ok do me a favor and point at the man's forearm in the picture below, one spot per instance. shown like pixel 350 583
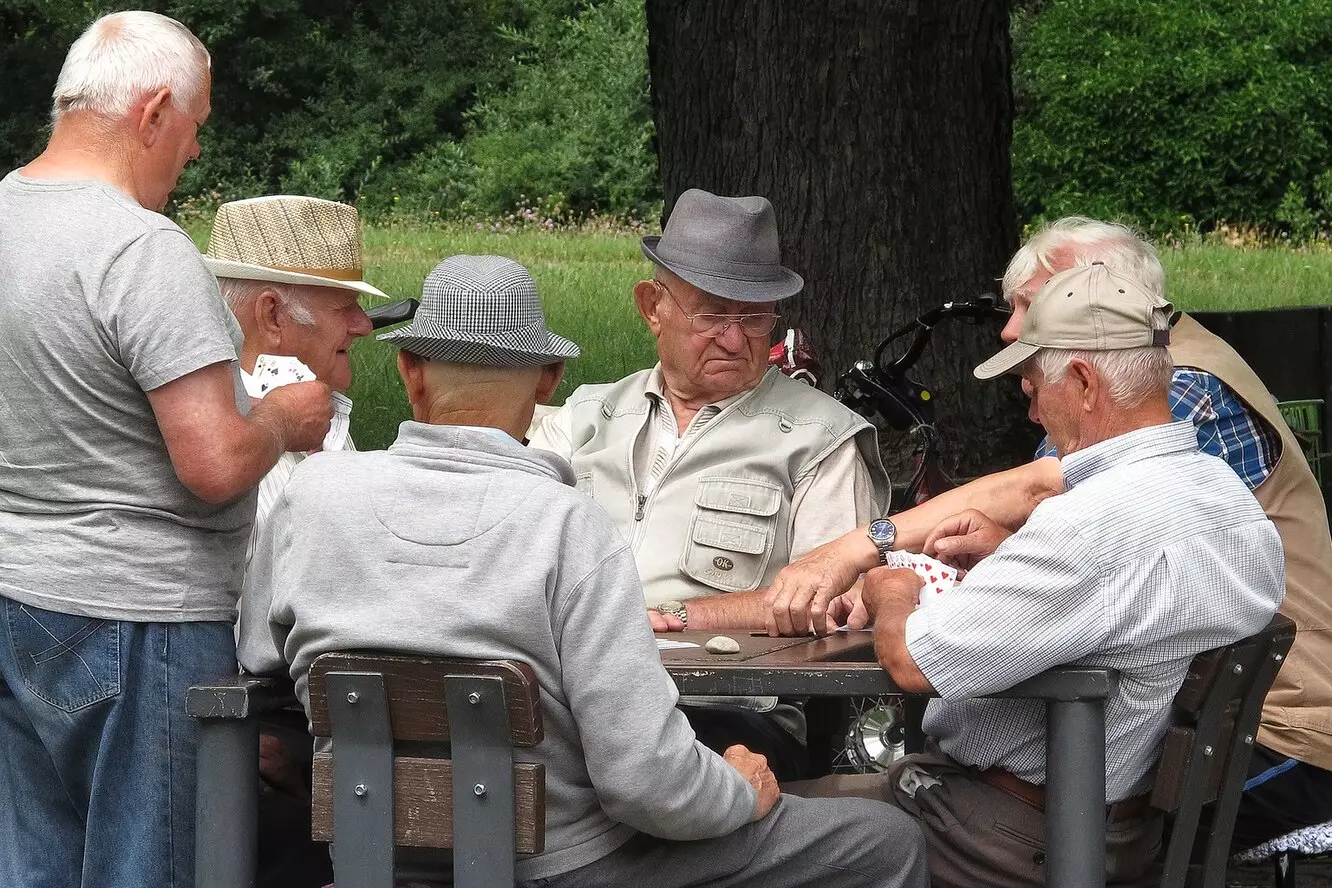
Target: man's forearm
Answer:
pixel 1007 498
pixel 244 451
pixel 732 610
pixel 891 651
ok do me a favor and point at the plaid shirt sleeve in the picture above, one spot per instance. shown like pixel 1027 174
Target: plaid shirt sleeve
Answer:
pixel 1226 427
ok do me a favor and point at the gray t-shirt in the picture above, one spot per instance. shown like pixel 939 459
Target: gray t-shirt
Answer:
pixel 101 301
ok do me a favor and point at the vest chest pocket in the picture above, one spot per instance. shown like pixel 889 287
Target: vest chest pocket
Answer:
pixel 731 533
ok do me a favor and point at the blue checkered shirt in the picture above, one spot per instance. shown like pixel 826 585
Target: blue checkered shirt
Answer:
pixel 1154 553
pixel 1226 427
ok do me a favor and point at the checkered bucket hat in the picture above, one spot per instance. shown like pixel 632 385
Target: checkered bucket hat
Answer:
pixel 481 310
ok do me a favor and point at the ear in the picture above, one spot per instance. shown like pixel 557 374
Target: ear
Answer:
pixel 153 115
pixel 267 317
pixel 551 374
pixel 412 370
pixel 648 296
pixel 1090 385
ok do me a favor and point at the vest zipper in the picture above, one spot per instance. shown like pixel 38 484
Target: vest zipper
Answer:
pixel 642 501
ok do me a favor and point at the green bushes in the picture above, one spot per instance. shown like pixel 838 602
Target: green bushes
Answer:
pixel 1175 114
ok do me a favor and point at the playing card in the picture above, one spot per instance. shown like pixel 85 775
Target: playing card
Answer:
pixel 273 371
pixel 937 576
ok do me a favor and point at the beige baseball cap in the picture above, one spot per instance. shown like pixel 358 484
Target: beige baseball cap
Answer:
pixel 1087 308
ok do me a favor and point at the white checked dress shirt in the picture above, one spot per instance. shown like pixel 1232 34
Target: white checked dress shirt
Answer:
pixel 1155 553
pixel 270 486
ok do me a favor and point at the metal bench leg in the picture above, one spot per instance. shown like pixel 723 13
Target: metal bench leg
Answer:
pixel 1075 794
pixel 227 807
pixel 1285 870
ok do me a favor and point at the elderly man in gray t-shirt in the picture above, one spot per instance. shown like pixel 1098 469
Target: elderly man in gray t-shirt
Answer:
pixel 126 465
pixel 459 541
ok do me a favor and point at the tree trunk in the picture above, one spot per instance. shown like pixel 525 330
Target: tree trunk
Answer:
pixel 880 131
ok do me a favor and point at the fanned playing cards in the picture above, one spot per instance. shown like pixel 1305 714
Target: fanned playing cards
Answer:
pixel 937 576
pixel 275 371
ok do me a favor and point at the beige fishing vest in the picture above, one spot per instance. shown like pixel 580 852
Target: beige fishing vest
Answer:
pixel 720 518
pixel 1297 714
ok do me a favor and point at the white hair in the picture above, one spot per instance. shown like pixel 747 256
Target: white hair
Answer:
pixel 124 55
pixel 1131 375
pixel 1077 240
pixel 239 292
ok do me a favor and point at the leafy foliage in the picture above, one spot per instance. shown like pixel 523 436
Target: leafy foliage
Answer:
pixel 1175 114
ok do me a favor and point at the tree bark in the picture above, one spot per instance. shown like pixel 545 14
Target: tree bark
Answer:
pixel 880 131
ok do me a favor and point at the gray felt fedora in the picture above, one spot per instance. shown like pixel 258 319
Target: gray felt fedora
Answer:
pixel 481 310
pixel 727 246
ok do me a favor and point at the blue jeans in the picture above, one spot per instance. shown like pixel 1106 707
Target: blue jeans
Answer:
pixel 96 751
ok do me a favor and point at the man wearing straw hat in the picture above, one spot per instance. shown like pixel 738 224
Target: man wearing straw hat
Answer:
pixel 468 544
pixel 290 270
pixel 128 457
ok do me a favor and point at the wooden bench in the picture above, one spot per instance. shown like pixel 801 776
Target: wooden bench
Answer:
pixel 422 758
pixel 1205 755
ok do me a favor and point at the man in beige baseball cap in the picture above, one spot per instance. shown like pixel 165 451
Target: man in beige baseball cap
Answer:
pixel 1087 308
pixel 1153 553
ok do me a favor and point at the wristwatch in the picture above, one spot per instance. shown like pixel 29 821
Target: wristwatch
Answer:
pixel 883 534
pixel 674 609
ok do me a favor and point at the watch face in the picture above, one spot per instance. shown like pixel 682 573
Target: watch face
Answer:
pixel 882 530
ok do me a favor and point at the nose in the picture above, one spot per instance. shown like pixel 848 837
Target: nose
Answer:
pixel 732 338
pixel 360 323
pixel 1013 329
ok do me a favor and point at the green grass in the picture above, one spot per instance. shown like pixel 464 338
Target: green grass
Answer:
pixel 586 280
pixel 1218 278
pixel 586 283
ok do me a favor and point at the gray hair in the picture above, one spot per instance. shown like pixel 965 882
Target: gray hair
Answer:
pixel 239 292
pixel 123 55
pixel 1078 240
pixel 1131 375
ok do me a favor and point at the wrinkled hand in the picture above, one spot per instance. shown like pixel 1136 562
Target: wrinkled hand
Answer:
pixel 754 768
pixel 664 622
pixel 798 599
pixel 885 583
pixel 848 609
pixel 304 411
pixel 964 539
pixel 277 769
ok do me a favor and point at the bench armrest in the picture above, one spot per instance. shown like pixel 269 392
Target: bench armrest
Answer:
pixel 239 697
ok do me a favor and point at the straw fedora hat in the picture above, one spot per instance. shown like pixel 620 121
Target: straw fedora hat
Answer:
pixel 288 239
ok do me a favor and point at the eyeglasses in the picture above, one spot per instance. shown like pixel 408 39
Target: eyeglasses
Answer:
pixel 714 325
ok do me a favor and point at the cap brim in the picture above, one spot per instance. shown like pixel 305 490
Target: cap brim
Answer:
pixel 1007 360
pixel 460 348
pixel 784 286
pixel 226 268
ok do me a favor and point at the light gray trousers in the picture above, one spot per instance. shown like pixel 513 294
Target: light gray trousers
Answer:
pixel 828 843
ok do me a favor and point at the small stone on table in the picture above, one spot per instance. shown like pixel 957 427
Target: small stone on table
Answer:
pixel 722 644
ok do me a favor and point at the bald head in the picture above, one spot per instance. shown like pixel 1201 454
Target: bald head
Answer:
pixel 504 398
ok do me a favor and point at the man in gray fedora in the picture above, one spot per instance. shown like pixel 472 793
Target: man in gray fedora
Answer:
pixel 718 470
pixel 459 541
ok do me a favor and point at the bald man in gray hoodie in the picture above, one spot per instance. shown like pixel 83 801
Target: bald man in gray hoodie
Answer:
pixel 460 541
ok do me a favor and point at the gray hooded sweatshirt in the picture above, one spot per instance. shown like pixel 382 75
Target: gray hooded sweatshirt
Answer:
pixel 462 542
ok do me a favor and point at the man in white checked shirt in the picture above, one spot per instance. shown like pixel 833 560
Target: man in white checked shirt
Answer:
pixel 1154 553
pixel 290 270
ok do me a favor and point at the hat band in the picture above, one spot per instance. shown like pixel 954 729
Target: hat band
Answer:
pixel 337 274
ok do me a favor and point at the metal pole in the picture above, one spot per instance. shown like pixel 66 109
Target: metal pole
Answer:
pixel 227 806
pixel 1075 794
